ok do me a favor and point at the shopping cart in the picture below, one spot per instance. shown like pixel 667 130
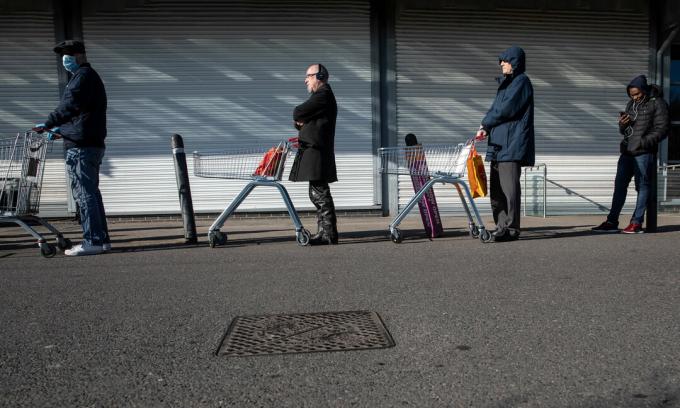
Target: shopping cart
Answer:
pixel 263 167
pixel 22 164
pixel 439 164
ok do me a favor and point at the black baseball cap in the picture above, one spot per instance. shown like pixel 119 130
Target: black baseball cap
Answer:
pixel 70 47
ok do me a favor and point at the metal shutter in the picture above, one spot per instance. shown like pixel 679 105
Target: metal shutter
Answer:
pixel 579 63
pixel 29 90
pixel 225 75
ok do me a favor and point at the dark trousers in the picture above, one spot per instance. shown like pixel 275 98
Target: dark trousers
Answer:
pixel 320 195
pixel 505 196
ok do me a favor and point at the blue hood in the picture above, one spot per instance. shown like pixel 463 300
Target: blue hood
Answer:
pixel 516 57
pixel 639 82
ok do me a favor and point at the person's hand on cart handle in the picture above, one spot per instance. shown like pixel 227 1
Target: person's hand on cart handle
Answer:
pixel 52 134
pixel 481 134
pixel 294 142
pixel 39 128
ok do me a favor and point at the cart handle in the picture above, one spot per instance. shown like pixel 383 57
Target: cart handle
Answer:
pixel 50 134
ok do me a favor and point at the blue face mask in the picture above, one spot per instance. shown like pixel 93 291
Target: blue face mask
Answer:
pixel 70 63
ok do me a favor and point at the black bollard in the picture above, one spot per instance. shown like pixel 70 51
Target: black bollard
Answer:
pixel 185 202
pixel 652 204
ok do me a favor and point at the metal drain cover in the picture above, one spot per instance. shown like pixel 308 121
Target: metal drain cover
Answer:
pixel 304 333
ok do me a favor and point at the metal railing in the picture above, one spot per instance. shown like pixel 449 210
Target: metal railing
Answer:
pixel 669 186
pixel 669 183
pixel 544 177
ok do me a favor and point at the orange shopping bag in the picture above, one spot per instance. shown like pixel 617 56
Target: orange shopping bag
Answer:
pixel 476 174
pixel 270 162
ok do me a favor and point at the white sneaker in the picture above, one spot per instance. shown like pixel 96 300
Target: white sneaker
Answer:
pixel 106 247
pixel 83 249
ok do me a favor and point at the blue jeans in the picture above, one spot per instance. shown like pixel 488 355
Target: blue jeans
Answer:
pixel 82 166
pixel 640 167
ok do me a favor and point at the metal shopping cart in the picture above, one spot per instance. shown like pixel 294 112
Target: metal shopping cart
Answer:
pixel 22 164
pixel 439 164
pixel 263 167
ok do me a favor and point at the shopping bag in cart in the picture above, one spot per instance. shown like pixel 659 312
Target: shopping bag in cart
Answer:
pixel 429 211
pixel 476 174
pixel 270 161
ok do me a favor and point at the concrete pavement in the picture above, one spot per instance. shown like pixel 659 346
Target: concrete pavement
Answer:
pixel 561 318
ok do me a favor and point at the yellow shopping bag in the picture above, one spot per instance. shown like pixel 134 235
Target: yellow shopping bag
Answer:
pixel 476 174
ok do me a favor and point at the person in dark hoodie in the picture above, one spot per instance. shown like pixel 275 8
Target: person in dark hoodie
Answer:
pixel 315 161
pixel 644 124
pixel 81 119
pixel 509 125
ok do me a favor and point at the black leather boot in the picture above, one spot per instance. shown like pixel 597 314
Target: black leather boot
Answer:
pixel 320 194
pixel 327 236
pixel 319 231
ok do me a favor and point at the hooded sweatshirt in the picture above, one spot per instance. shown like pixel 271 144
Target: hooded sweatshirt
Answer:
pixel 650 122
pixel 510 120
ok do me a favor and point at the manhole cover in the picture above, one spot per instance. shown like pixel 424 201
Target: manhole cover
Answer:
pixel 304 333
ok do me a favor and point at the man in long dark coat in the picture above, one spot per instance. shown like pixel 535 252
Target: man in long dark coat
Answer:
pixel 315 160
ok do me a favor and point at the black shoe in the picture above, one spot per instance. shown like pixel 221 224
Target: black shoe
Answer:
pixel 324 237
pixel 504 236
pixel 606 227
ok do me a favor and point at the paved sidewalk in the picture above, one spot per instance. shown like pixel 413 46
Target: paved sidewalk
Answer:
pixel 167 234
pixel 561 318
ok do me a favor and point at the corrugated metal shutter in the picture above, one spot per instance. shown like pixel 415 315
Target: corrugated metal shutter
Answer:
pixel 579 62
pixel 29 90
pixel 226 75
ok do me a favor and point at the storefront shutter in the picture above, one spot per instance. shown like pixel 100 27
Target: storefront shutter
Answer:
pixel 226 75
pixel 579 62
pixel 29 90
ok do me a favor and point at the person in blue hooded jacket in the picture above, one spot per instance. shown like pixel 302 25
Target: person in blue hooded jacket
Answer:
pixel 509 126
pixel 81 119
pixel 643 125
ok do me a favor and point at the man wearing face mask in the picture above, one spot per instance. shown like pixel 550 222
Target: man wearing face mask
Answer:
pixel 644 124
pixel 81 119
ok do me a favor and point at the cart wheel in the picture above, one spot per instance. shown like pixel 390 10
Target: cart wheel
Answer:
pixel 474 231
pixel 47 250
pixel 485 236
pixel 217 237
pixel 63 243
pixel 396 236
pixel 302 237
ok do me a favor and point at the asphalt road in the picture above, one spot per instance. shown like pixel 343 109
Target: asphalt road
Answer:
pixel 560 318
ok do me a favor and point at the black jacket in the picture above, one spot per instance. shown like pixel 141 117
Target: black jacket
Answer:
pixel 650 124
pixel 81 114
pixel 315 160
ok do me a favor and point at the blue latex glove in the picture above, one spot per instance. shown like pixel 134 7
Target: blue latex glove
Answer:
pixel 51 133
pixel 39 128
